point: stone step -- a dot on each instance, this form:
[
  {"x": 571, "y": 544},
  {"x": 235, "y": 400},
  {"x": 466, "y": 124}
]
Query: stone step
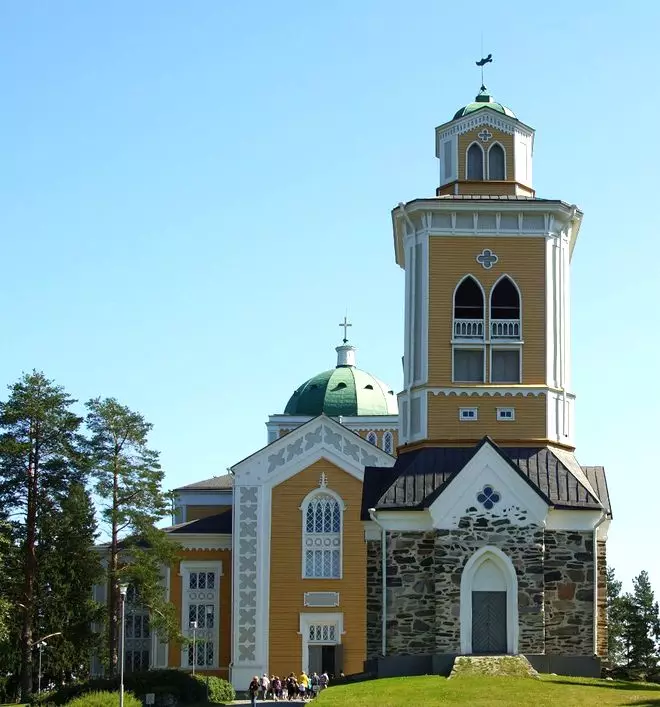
[{"x": 498, "y": 665}]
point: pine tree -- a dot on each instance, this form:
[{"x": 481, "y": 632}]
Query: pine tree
[
  {"x": 69, "y": 566},
  {"x": 40, "y": 456},
  {"x": 643, "y": 625},
  {"x": 129, "y": 482},
  {"x": 616, "y": 613}
]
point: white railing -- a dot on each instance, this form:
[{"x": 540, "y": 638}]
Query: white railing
[
  {"x": 468, "y": 328},
  {"x": 505, "y": 328}
]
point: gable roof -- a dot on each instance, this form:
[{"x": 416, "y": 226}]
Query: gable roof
[
  {"x": 215, "y": 483},
  {"x": 420, "y": 476},
  {"x": 217, "y": 524}
]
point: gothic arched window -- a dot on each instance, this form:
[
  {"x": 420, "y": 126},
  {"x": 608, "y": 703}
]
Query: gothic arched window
[
  {"x": 505, "y": 300},
  {"x": 372, "y": 438},
  {"x": 388, "y": 443},
  {"x": 469, "y": 309},
  {"x": 475, "y": 162},
  {"x": 322, "y": 535},
  {"x": 496, "y": 163}
]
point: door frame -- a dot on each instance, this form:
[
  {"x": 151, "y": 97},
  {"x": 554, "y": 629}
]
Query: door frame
[
  {"x": 503, "y": 562},
  {"x": 330, "y": 619}
]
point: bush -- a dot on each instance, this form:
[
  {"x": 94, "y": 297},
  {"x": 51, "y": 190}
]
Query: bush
[
  {"x": 104, "y": 699},
  {"x": 219, "y": 691},
  {"x": 168, "y": 686}
]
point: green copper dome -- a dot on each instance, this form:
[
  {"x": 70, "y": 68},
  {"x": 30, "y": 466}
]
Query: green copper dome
[
  {"x": 483, "y": 100},
  {"x": 343, "y": 391}
]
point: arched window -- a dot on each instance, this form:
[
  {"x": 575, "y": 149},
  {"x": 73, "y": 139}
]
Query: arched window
[
  {"x": 388, "y": 443},
  {"x": 496, "y": 168},
  {"x": 469, "y": 309},
  {"x": 505, "y": 300},
  {"x": 322, "y": 529},
  {"x": 372, "y": 438},
  {"x": 475, "y": 162}
]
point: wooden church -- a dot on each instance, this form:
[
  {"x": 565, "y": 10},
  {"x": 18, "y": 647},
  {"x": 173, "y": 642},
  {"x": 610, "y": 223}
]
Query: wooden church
[{"x": 398, "y": 529}]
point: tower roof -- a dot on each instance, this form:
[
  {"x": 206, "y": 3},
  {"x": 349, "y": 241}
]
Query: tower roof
[
  {"x": 483, "y": 100},
  {"x": 343, "y": 391}
]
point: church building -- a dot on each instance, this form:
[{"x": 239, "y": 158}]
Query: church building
[{"x": 398, "y": 529}]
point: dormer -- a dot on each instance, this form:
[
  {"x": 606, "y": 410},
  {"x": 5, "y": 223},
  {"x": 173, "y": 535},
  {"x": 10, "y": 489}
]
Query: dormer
[{"x": 485, "y": 151}]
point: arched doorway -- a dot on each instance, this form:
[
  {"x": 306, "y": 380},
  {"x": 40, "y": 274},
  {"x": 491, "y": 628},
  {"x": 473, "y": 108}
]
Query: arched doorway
[{"x": 489, "y": 604}]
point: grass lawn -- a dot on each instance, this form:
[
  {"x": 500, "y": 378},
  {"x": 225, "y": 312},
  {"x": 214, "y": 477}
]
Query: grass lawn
[{"x": 553, "y": 691}]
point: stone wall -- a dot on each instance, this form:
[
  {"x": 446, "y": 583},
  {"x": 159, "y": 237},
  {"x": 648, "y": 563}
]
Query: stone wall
[
  {"x": 601, "y": 603},
  {"x": 524, "y": 547},
  {"x": 569, "y": 592},
  {"x": 411, "y": 593},
  {"x": 374, "y": 599}
]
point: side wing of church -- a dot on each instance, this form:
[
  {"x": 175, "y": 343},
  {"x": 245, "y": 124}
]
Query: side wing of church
[{"x": 487, "y": 536}]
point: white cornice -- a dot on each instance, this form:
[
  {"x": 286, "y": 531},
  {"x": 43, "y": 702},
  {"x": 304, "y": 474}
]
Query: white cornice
[
  {"x": 484, "y": 116},
  {"x": 202, "y": 541}
]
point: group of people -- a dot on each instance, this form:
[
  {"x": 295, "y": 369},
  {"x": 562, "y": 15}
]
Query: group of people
[{"x": 304, "y": 687}]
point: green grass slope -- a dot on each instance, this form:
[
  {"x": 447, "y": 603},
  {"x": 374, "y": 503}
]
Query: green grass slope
[{"x": 550, "y": 691}]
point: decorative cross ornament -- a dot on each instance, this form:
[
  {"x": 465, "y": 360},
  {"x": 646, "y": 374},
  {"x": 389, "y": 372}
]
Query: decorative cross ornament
[
  {"x": 485, "y": 135},
  {"x": 345, "y": 324},
  {"x": 488, "y": 497},
  {"x": 323, "y": 480},
  {"x": 487, "y": 258}
]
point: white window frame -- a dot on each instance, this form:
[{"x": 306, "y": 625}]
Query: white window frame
[
  {"x": 506, "y": 414},
  {"x": 388, "y": 436},
  {"x": 484, "y": 165},
  {"x": 478, "y": 347},
  {"x": 372, "y": 438},
  {"x": 186, "y": 567},
  {"x": 517, "y": 348},
  {"x": 490, "y": 147},
  {"x": 468, "y": 414},
  {"x": 310, "y": 498}
]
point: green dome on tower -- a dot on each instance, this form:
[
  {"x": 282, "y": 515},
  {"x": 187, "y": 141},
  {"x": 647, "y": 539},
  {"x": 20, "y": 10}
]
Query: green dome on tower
[
  {"x": 343, "y": 391},
  {"x": 483, "y": 100}
]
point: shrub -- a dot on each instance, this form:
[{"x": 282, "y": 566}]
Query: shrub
[
  {"x": 104, "y": 699},
  {"x": 219, "y": 691}
]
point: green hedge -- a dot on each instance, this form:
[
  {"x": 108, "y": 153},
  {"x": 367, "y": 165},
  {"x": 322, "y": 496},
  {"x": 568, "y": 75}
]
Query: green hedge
[
  {"x": 167, "y": 686},
  {"x": 104, "y": 699}
]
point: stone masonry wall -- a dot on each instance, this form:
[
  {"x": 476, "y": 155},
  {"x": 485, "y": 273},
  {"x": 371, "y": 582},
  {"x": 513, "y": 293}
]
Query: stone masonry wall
[
  {"x": 411, "y": 593},
  {"x": 453, "y": 548},
  {"x": 569, "y": 592},
  {"x": 601, "y": 553},
  {"x": 374, "y": 599}
]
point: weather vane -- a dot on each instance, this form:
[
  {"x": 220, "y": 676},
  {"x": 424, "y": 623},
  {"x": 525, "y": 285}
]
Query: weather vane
[
  {"x": 345, "y": 324},
  {"x": 481, "y": 63}
]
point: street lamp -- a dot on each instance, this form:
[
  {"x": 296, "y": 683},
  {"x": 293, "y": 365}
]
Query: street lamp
[
  {"x": 123, "y": 589},
  {"x": 193, "y": 626},
  {"x": 41, "y": 645}
]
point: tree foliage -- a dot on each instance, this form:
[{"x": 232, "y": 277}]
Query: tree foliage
[
  {"x": 40, "y": 458},
  {"x": 128, "y": 480}
]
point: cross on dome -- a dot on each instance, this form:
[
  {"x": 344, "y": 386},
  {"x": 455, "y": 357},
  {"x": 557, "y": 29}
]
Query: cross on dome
[{"x": 345, "y": 324}]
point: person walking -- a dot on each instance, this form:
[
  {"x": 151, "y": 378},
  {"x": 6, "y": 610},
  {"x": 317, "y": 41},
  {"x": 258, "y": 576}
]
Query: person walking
[{"x": 253, "y": 689}]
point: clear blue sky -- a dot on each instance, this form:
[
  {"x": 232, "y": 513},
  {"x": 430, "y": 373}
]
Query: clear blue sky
[{"x": 192, "y": 194}]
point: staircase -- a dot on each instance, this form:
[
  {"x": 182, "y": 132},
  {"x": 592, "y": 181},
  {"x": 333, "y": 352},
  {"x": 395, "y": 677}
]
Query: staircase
[{"x": 496, "y": 665}]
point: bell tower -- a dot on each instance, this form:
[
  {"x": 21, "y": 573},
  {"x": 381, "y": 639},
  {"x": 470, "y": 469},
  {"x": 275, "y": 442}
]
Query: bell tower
[{"x": 487, "y": 292}]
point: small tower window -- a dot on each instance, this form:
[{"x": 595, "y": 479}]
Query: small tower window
[
  {"x": 469, "y": 310},
  {"x": 496, "y": 168},
  {"x": 475, "y": 162},
  {"x": 372, "y": 438},
  {"x": 388, "y": 443}
]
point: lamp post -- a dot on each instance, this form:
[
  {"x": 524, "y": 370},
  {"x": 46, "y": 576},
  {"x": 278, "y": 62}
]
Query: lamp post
[
  {"x": 209, "y": 637},
  {"x": 123, "y": 589},
  {"x": 193, "y": 626},
  {"x": 41, "y": 645}
]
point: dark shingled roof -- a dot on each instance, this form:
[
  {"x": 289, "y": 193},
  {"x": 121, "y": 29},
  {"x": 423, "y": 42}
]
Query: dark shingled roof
[
  {"x": 420, "y": 476},
  {"x": 217, "y": 483},
  {"x": 220, "y": 524}
]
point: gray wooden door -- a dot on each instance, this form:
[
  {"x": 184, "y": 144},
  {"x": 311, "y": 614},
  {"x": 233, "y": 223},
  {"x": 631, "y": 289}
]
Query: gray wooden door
[
  {"x": 315, "y": 660},
  {"x": 489, "y": 622}
]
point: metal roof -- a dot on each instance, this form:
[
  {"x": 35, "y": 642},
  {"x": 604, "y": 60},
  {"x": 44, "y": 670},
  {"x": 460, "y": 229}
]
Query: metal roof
[{"x": 216, "y": 483}]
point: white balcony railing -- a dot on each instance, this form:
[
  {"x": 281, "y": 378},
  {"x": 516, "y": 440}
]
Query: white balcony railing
[
  {"x": 505, "y": 328},
  {"x": 468, "y": 328}
]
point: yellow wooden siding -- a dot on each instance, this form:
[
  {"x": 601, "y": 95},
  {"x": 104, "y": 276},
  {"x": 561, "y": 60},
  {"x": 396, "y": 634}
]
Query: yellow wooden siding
[
  {"x": 197, "y": 512},
  {"x": 450, "y": 259},
  {"x": 443, "y": 422},
  {"x": 223, "y": 626},
  {"x": 286, "y": 583},
  {"x": 465, "y": 140},
  {"x": 379, "y": 437},
  {"x": 491, "y": 188}
]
